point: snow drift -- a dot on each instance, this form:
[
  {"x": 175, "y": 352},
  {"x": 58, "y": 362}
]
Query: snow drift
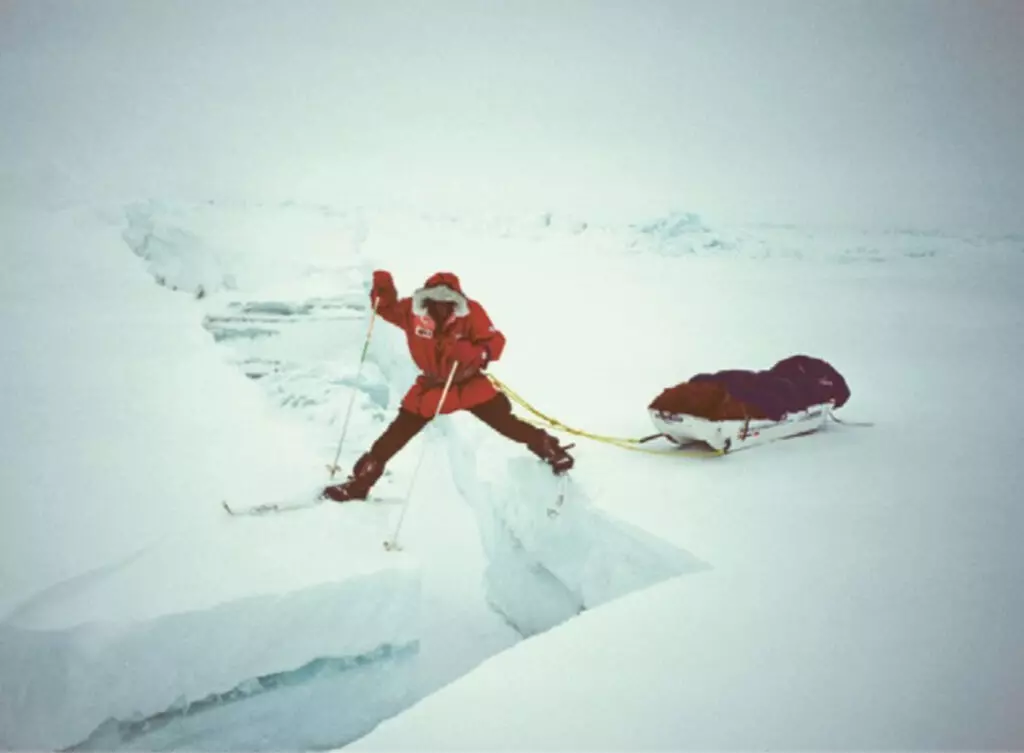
[
  {"x": 551, "y": 553},
  {"x": 863, "y": 582},
  {"x": 127, "y": 591},
  {"x": 857, "y": 586},
  {"x": 200, "y": 622},
  {"x": 202, "y": 614}
]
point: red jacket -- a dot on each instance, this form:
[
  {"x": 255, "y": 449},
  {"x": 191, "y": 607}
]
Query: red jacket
[{"x": 468, "y": 337}]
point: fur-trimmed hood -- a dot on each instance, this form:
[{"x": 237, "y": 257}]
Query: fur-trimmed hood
[{"x": 442, "y": 286}]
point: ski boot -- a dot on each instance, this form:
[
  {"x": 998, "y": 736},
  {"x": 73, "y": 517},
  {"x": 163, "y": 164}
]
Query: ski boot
[
  {"x": 554, "y": 454},
  {"x": 357, "y": 487}
]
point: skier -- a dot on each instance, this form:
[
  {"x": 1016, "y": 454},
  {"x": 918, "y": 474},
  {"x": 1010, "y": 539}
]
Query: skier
[{"x": 443, "y": 326}]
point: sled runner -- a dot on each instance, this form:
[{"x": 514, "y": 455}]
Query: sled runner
[
  {"x": 729, "y": 436},
  {"x": 728, "y": 410}
]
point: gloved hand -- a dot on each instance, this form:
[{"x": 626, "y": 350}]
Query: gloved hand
[
  {"x": 383, "y": 289},
  {"x": 469, "y": 355}
]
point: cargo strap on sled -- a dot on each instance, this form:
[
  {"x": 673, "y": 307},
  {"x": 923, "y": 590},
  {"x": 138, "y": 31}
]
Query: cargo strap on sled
[{"x": 623, "y": 442}]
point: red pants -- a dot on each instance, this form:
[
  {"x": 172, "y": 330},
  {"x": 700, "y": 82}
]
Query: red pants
[{"x": 496, "y": 413}]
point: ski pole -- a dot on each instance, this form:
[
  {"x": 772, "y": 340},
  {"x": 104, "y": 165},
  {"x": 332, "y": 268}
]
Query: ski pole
[
  {"x": 333, "y": 467},
  {"x": 393, "y": 543}
]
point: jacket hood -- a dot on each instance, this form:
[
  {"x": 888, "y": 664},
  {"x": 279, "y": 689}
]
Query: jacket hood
[
  {"x": 448, "y": 279},
  {"x": 441, "y": 286}
]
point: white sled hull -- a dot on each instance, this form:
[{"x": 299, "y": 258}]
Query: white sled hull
[{"x": 733, "y": 435}]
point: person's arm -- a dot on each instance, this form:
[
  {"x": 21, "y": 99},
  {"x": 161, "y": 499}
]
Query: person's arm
[
  {"x": 390, "y": 307},
  {"x": 484, "y": 344}
]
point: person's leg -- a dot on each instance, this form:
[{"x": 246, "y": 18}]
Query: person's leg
[
  {"x": 370, "y": 466},
  {"x": 403, "y": 428},
  {"x": 497, "y": 413}
]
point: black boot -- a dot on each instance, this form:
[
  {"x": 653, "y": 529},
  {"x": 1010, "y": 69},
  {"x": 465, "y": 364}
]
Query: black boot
[
  {"x": 548, "y": 450},
  {"x": 364, "y": 475}
]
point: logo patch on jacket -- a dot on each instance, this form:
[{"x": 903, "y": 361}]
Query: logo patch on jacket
[{"x": 424, "y": 327}]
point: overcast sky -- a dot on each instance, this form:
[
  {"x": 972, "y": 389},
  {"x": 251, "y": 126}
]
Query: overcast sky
[{"x": 906, "y": 112}]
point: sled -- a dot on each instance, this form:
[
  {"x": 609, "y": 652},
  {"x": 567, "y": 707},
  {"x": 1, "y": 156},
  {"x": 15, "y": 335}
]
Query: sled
[
  {"x": 728, "y": 436},
  {"x": 736, "y": 408}
]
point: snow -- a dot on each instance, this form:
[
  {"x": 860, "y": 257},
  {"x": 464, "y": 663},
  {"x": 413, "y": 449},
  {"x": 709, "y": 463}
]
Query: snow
[
  {"x": 726, "y": 661},
  {"x": 126, "y": 585},
  {"x": 857, "y": 586},
  {"x": 854, "y": 587},
  {"x": 862, "y": 586},
  {"x": 102, "y": 437},
  {"x": 188, "y": 240},
  {"x": 554, "y": 557},
  {"x": 135, "y": 640},
  {"x": 104, "y": 640}
]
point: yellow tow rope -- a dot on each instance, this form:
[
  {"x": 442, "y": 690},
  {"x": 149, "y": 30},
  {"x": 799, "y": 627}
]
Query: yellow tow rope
[{"x": 623, "y": 442}]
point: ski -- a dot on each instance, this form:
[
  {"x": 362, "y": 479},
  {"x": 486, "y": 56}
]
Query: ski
[{"x": 269, "y": 508}]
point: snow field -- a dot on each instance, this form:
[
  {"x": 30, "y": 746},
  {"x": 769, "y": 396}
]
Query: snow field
[
  {"x": 860, "y": 583},
  {"x": 852, "y": 587},
  {"x": 127, "y": 588}
]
